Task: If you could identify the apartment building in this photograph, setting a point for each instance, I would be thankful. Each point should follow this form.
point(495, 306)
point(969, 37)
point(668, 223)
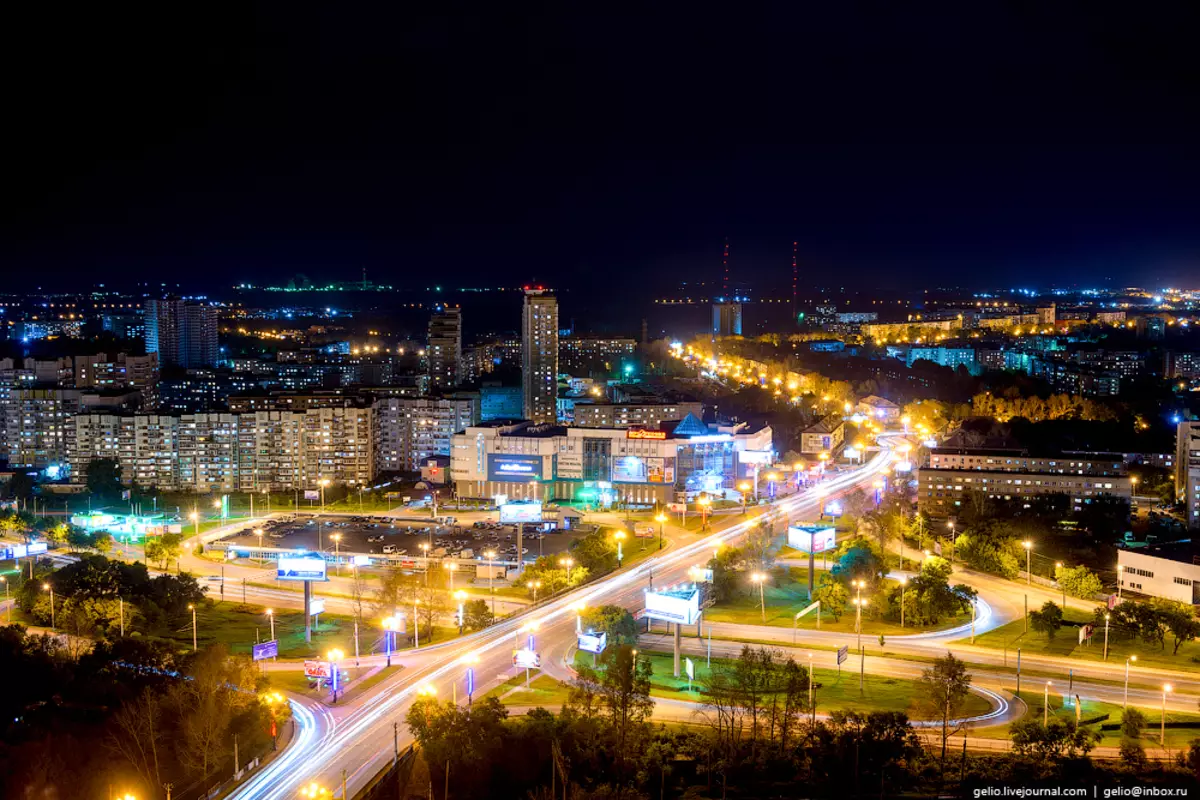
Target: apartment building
point(953, 475)
point(409, 430)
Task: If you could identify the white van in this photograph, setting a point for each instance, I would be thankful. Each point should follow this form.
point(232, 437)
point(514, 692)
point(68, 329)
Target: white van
point(388, 549)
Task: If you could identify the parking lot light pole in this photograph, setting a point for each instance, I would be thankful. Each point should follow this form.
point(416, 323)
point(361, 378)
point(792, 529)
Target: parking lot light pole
point(337, 552)
point(490, 555)
point(661, 519)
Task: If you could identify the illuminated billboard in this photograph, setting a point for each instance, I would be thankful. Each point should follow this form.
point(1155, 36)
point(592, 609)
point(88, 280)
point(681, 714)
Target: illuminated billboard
point(521, 512)
point(505, 467)
point(301, 568)
point(642, 433)
point(629, 469)
point(592, 642)
point(812, 538)
point(679, 604)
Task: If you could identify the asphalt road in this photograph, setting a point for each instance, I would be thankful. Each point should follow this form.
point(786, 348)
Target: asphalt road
point(358, 736)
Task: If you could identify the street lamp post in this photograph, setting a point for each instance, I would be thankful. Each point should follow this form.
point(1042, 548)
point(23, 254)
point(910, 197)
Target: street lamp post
point(1028, 545)
point(49, 588)
point(323, 483)
point(1120, 580)
point(461, 597)
point(1058, 568)
point(1046, 705)
point(661, 519)
point(568, 563)
point(858, 604)
point(950, 525)
point(259, 533)
point(903, 586)
point(425, 549)
point(335, 655)
point(192, 608)
point(271, 616)
point(579, 608)
point(536, 585)
point(195, 516)
point(1106, 618)
point(759, 578)
point(620, 537)
point(416, 626)
point(490, 555)
point(1125, 702)
point(7, 607)
point(451, 567)
point(704, 502)
point(337, 551)
point(743, 487)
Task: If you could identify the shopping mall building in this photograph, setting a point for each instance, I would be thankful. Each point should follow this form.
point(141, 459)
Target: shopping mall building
point(599, 465)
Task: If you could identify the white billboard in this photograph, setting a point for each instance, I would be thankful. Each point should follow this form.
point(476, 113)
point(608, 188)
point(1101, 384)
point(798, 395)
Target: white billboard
point(593, 642)
point(812, 538)
point(521, 512)
point(301, 568)
point(526, 659)
point(675, 604)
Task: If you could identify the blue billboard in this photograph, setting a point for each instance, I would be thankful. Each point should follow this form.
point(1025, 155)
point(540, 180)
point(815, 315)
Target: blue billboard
point(505, 467)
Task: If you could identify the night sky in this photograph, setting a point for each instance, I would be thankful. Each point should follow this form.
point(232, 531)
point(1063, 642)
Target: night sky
point(963, 144)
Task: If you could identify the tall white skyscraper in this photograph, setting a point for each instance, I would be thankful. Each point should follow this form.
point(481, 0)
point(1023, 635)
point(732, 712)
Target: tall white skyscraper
point(539, 355)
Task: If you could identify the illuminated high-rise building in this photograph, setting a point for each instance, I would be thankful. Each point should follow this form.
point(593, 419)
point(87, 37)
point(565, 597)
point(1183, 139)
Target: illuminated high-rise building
point(445, 348)
point(539, 355)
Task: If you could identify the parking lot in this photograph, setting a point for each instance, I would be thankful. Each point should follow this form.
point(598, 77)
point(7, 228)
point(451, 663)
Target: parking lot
point(394, 536)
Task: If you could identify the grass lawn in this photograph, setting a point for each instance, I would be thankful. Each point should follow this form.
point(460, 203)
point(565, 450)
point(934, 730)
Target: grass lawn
point(543, 691)
point(1066, 645)
point(786, 595)
point(1176, 737)
point(239, 626)
point(833, 691)
point(360, 679)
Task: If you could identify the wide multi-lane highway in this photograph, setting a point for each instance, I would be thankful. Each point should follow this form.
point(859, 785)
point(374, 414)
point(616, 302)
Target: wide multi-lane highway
point(358, 736)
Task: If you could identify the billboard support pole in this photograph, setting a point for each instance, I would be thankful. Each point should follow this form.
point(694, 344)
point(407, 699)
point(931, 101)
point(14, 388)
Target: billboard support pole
point(811, 567)
point(678, 634)
point(307, 618)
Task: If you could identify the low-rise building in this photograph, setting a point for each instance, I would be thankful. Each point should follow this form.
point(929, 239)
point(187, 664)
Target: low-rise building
point(1170, 571)
point(824, 436)
point(879, 408)
point(639, 465)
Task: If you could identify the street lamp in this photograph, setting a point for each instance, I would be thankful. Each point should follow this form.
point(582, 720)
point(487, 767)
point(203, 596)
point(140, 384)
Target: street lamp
point(661, 519)
point(903, 586)
point(8, 608)
point(759, 578)
point(1058, 568)
point(1125, 702)
point(567, 562)
point(461, 597)
point(271, 616)
point(259, 533)
point(858, 607)
point(337, 551)
point(536, 585)
point(743, 487)
point(425, 549)
point(192, 608)
point(1028, 545)
point(323, 483)
point(195, 517)
point(390, 624)
point(490, 555)
point(451, 567)
point(48, 588)
point(314, 791)
point(620, 537)
point(1162, 736)
point(1120, 580)
point(335, 655)
point(579, 608)
point(704, 502)
point(1046, 705)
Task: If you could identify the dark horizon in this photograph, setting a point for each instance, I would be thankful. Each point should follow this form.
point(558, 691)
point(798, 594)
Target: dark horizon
point(983, 146)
